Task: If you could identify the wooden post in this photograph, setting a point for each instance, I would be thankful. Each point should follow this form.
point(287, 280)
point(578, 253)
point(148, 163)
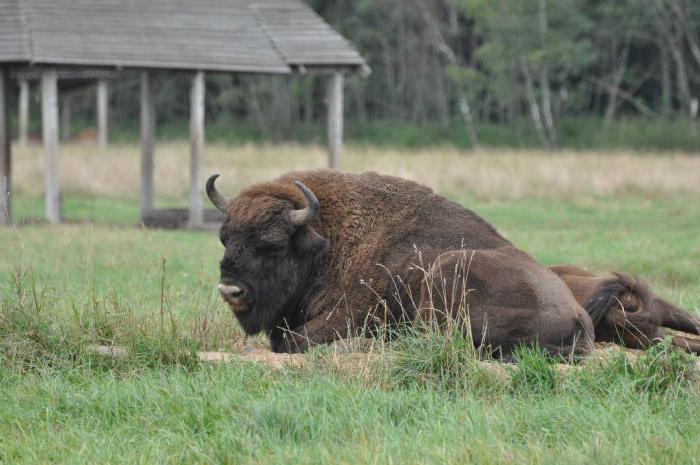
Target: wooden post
point(65, 117)
point(49, 127)
point(335, 119)
point(148, 122)
point(23, 112)
point(102, 112)
point(196, 214)
point(5, 160)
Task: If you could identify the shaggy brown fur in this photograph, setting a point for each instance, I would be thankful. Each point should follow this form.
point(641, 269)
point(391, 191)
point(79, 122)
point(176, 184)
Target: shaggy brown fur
point(505, 298)
point(355, 268)
point(626, 311)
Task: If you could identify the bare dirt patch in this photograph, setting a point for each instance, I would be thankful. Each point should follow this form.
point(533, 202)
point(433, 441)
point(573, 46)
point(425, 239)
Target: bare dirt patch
point(365, 360)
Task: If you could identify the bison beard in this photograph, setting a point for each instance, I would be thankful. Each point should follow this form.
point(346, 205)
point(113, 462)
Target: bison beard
point(317, 256)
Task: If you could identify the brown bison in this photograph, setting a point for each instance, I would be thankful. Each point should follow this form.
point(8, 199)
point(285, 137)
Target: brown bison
point(316, 256)
point(504, 298)
point(626, 311)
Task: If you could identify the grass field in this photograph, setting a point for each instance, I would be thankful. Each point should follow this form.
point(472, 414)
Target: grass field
point(63, 288)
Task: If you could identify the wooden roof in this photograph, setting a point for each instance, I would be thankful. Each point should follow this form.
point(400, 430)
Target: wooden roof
point(266, 36)
point(302, 37)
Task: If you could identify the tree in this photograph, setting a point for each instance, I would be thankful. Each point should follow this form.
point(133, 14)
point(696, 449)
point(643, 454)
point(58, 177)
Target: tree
point(535, 45)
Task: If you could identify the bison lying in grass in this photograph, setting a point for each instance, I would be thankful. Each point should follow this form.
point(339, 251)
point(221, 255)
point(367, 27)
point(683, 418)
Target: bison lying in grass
point(316, 256)
point(623, 308)
point(626, 311)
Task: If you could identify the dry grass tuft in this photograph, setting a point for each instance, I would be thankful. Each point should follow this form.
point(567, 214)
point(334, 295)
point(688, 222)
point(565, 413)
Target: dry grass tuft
point(491, 174)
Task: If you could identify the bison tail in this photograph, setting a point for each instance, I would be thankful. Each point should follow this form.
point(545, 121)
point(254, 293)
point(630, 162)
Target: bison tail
point(609, 293)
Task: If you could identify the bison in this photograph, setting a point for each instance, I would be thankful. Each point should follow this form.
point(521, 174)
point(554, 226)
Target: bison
point(626, 311)
point(316, 256)
point(504, 299)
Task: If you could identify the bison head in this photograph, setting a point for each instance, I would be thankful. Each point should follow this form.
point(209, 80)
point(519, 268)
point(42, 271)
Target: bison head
point(271, 250)
point(623, 310)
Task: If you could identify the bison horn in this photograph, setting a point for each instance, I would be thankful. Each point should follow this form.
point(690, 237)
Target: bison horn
point(305, 215)
point(219, 200)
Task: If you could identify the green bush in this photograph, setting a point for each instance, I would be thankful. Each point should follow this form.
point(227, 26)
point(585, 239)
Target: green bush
point(578, 133)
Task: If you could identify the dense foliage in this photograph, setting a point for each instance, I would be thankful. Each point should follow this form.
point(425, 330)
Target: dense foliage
point(499, 61)
point(543, 69)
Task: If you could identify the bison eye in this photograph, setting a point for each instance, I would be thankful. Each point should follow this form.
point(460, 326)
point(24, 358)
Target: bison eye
point(629, 303)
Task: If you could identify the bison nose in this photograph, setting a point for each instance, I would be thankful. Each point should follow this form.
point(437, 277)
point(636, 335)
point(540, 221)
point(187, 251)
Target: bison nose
point(229, 291)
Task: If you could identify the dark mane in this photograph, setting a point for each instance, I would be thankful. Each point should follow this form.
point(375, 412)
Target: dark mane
point(609, 292)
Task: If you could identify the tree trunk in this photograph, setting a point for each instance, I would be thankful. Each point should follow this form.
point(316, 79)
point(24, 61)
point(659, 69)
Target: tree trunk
point(681, 77)
point(255, 106)
point(627, 97)
point(484, 113)
point(614, 91)
point(691, 34)
point(468, 121)
point(534, 106)
point(442, 101)
point(551, 130)
point(360, 101)
point(666, 89)
point(309, 98)
point(670, 29)
point(281, 106)
point(65, 118)
point(548, 118)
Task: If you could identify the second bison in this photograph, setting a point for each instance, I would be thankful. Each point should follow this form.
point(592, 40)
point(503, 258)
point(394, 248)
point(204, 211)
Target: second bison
point(316, 256)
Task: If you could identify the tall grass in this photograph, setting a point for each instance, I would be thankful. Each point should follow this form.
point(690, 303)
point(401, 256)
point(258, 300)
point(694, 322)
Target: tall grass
point(87, 172)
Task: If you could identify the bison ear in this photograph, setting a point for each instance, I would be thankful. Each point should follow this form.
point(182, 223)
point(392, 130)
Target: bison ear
point(308, 240)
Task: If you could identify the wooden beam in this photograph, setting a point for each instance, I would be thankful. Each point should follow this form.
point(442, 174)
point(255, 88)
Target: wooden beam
point(148, 123)
point(196, 217)
point(335, 120)
point(323, 70)
point(23, 112)
point(49, 127)
point(5, 155)
point(65, 117)
point(102, 112)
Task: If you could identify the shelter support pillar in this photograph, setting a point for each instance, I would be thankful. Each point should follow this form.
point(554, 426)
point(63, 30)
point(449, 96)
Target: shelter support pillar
point(23, 113)
point(49, 127)
point(5, 161)
point(102, 112)
point(148, 121)
point(196, 213)
point(335, 119)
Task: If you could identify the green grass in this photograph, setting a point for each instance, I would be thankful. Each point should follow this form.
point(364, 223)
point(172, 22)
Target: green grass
point(63, 288)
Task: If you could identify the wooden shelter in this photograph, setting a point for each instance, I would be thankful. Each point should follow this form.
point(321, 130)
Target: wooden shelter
point(52, 37)
point(70, 81)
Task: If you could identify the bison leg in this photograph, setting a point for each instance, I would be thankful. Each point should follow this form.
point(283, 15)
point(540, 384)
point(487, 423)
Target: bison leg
point(676, 318)
point(320, 330)
point(505, 299)
point(690, 345)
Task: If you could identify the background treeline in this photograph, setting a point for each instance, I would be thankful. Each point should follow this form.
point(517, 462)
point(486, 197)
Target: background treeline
point(549, 73)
